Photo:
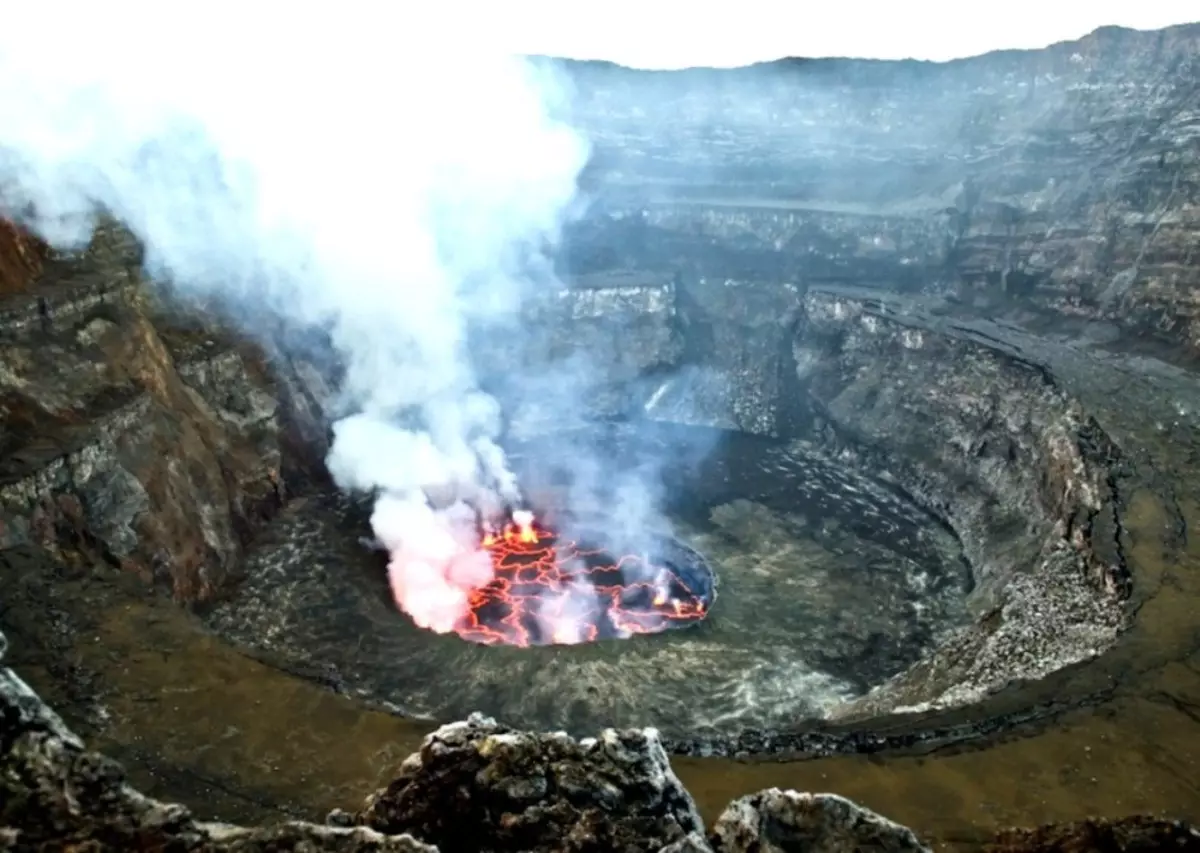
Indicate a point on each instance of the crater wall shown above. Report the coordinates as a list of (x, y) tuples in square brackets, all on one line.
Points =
[(1057, 184), (125, 438), (990, 442), (740, 267)]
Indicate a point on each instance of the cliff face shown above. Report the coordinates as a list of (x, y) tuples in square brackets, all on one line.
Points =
[(1060, 184), (123, 438)]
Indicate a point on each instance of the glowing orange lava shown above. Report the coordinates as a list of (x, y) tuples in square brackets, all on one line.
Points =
[(550, 589)]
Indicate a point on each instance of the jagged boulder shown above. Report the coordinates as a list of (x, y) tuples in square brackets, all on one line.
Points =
[(775, 821), (478, 785)]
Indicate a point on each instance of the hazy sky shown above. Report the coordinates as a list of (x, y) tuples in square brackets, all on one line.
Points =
[(675, 33)]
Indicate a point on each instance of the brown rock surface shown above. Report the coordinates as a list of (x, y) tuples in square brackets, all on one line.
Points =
[(1141, 834), (149, 447), (21, 258)]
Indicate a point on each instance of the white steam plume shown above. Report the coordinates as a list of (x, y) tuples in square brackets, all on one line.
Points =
[(353, 173)]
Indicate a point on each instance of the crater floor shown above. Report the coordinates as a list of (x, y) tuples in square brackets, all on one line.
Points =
[(828, 584)]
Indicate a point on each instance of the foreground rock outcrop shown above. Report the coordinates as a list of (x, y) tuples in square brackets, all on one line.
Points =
[(537, 792), (786, 820), (473, 786)]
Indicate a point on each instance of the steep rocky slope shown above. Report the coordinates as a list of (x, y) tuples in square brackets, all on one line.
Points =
[(126, 438)]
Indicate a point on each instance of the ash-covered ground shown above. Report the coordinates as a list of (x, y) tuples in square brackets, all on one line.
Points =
[(828, 584)]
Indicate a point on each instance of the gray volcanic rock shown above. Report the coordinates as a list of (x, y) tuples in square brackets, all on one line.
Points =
[(775, 821), (478, 786), (592, 341), (735, 334), (995, 446), (1058, 182)]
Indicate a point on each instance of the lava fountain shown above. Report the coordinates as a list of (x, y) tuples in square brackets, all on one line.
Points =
[(523, 583)]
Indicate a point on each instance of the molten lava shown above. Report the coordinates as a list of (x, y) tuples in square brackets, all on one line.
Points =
[(550, 589)]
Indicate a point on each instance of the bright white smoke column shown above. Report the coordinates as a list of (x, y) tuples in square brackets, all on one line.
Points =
[(348, 171)]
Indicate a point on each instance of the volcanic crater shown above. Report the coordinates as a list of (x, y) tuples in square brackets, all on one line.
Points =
[(873, 514), (927, 419)]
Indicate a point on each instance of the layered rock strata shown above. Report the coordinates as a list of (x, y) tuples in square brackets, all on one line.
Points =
[(1055, 185), (125, 436)]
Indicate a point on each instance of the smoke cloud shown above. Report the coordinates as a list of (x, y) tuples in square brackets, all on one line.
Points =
[(350, 175)]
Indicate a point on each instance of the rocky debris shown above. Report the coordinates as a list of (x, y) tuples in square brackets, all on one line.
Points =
[(474, 786), (1131, 835), (528, 792), (775, 821)]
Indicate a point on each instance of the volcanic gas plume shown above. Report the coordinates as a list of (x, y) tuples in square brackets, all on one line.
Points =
[(385, 184), (471, 565)]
